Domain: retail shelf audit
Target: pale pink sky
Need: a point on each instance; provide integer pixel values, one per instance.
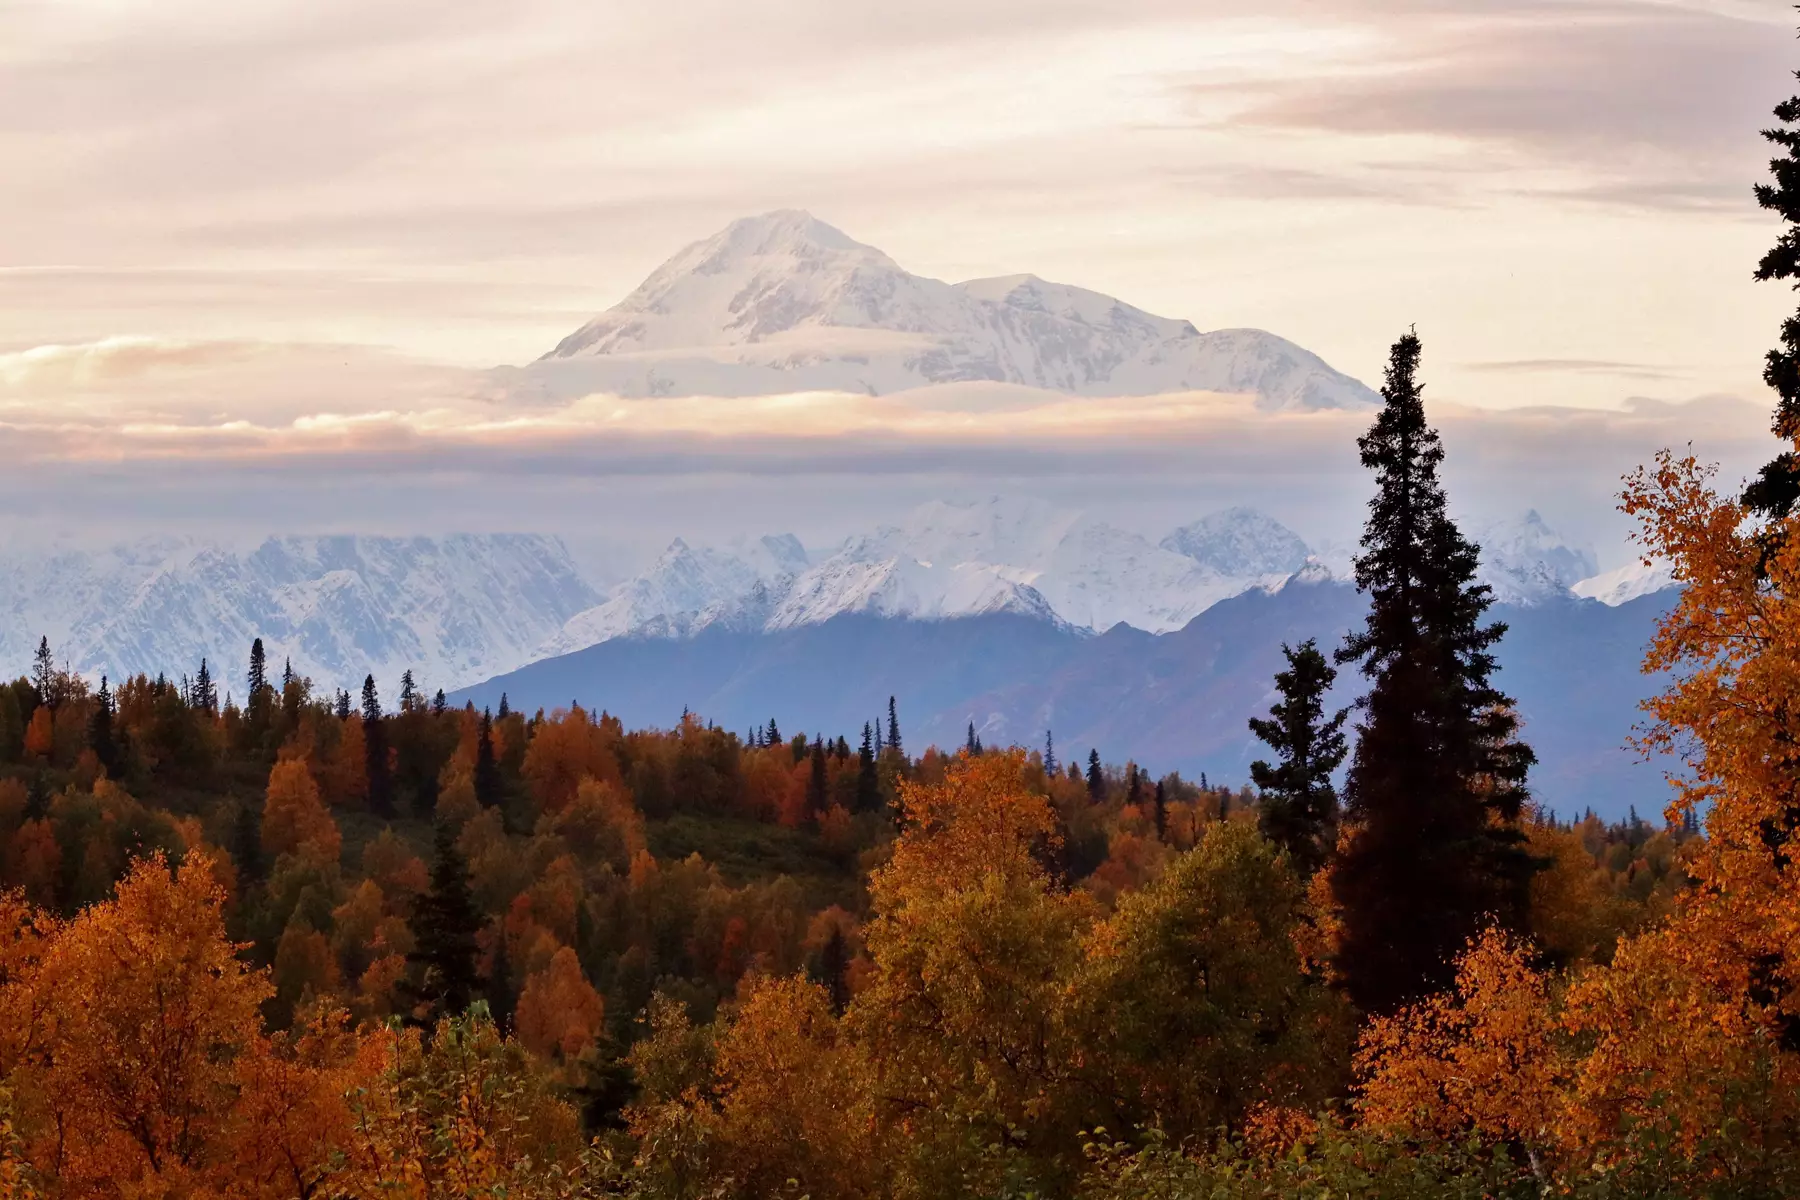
(281, 224)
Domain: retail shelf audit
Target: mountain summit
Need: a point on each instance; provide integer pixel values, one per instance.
(784, 302)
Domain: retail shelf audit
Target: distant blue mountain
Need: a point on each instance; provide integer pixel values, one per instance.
(1176, 701)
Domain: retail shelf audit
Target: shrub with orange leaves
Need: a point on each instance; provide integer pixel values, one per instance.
(1483, 1059)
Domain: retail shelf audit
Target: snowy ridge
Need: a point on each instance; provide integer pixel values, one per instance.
(453, 609)
(1627, 583)
(945, 561)
(784, 302)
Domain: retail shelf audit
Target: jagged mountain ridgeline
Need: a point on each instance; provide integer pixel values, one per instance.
(786, 303)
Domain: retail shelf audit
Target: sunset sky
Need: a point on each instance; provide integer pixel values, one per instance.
(248, 248)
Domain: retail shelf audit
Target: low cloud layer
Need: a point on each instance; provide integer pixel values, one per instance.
(137, 435)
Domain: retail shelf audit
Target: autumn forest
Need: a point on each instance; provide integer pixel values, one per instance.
(263, 940)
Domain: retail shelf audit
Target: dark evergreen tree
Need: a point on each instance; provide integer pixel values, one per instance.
(287, 674)
(500, 991)
(1096, 778)
(971, 745)
(203, 694)
(43, 674)
(246, 842)
(444, 923)
(439, 704)
(505, 709)
(868, 780)
(12, 725)
(1134, 785)
(1437, 779)
(893, 739)
(834, 970)
(1775, 490)
(1161, 810)
(37, 797)
(817, 796)
(409, 691)
(101, 739)
(488, 790)
(1298, 804)
(375, 747)
(259, 702)
(343, 705)
(1049, 754)
(257, 678)
(774, 735)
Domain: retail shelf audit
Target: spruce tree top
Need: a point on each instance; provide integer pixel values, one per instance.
(1775, 491)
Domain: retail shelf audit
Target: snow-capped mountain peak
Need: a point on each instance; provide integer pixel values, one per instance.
(1240, 541)
(784, 302)
(1527, 562)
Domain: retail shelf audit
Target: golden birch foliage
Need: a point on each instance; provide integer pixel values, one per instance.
(789, 1104)
(464, 1116)
(1573, 915)
(972, 951)
(147, 1006)
(559, 1012)
(1732, 640)
(1482, 1058)
(294, 820)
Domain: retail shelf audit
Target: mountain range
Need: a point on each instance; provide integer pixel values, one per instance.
(454, 609)
(1173, 701)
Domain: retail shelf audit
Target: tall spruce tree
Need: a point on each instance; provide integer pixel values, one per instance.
(817, 797)
(43, 674)
(246, 842)
(834, 970)
(488, 792)
(868, 780)
(444, 923)
(1049, 753)
(101, 738)
(893, 739)
(203, 693)
(259, 702)
(1096, 778)
(381, 776)
(1437, 779)
(1298, 804)
(1774, 492)
(1161, 811)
